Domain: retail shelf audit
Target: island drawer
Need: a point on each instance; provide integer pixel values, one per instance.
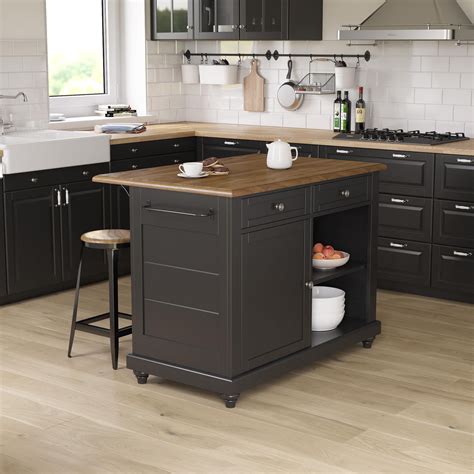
(405, 217)
(453, 268)
(341, 193)
(454, 223)
(155, 147)
(152, 161)
(274, 207)
(404, 261)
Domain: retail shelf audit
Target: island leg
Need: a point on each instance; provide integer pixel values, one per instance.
(368, 342)
(142, 377)
(230, 399)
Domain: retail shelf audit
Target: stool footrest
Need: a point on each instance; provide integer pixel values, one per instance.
(86, 325)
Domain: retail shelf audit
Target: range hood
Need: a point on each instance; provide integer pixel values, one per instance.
(413, 20)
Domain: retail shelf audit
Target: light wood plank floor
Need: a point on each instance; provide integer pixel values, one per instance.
(404, 406)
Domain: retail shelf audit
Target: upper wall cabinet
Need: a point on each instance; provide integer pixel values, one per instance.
(237, 19)
(172, 19)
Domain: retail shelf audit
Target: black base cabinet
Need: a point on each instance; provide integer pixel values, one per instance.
(3, 265)
(222, 299)
(426, 221)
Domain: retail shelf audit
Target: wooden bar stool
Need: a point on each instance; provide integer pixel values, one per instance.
(110, 240)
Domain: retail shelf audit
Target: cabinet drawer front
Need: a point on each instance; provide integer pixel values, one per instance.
(304, 150)
(152, 161)
(341, 193)
(405, 217)
(156, 147)
(404, 261)
(180, 211)
(455, 178)
(228, 147)
(453, 268)
(454, 223)
(274, 207)
(38, 179)
(406, 173)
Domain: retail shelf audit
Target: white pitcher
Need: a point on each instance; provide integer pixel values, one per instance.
(279, 155)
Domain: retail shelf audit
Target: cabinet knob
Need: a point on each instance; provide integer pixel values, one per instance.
(189, 27)
(85, 173)
(134, 167)
(345, 193)
(309, 284)
(279, 206)
(34, 180)
(134, 150)
(176, 145)
(176, 161)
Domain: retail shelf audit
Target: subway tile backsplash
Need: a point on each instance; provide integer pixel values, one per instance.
(412, 85)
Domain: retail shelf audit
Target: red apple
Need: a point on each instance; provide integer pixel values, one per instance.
(328, 251)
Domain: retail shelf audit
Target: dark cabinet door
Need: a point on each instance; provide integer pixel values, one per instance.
(305, 20)
(454, 223)
(216, 19)
(172, 19)
(33, 235)
(85, 208)
(404, 262)
(405, 217)
(3, 266)
(455, 178)
(453, 269)
(264, 19)
(276, 318)
(225, 148)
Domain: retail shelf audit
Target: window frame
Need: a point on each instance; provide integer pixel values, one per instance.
(76, 105)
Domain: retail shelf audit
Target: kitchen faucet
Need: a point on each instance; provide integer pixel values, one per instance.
(4, 126)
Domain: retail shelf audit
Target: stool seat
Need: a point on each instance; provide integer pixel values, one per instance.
(107, 237)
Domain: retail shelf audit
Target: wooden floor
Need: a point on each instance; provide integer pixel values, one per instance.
(404, 406)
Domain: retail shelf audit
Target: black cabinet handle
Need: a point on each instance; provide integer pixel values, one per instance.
(209, 213)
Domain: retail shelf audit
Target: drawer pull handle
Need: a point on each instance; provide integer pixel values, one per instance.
(134, 167)
(462, 254)
(400, 155)
(231, 143)
(398, 246)
(134, 150)
(279, 206)
(176, 162)
(34, 180)
(344, 152)
(209, 213)
(345, 193)
(399, 201)
(309, 284)
(85, 173)
(59, 200)
(67, 197)
(464, 160)
(462, 208)
(176, 145)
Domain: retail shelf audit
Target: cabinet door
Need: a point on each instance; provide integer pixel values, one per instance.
(455, 178)
(264, 19)
(3, 267)
(85, 208)
(216, 19)
(276, 318)
(172, 19)
(33, 236)
(305, 20)
(454, 223)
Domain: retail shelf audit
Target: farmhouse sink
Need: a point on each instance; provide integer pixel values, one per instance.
(48, 149)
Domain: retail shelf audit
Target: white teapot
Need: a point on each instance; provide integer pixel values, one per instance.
(279, 155)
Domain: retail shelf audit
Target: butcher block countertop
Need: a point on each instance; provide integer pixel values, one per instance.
(249, 175)
(292, 135)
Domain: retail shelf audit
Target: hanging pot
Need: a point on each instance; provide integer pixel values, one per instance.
(287, 96)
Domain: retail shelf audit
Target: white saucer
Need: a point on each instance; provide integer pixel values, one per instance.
(202, 175)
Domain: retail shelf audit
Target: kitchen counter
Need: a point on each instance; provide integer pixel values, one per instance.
(222, 272)
(249, 175)
(292, 135)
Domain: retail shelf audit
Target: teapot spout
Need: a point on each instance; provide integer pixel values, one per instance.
(269, 145)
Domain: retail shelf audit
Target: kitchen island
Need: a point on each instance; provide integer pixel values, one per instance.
(222, 274)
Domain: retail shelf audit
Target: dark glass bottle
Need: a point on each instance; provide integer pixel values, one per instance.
(360, 112)
(337, 113)
(346, 115)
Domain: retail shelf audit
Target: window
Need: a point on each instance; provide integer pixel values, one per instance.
(81, 57)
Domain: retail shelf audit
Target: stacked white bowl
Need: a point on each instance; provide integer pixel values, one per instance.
(328, 308)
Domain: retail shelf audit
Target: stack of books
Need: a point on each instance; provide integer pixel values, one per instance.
(116, 110)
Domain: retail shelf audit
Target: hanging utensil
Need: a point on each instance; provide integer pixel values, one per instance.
(254, 97)
(287, 95)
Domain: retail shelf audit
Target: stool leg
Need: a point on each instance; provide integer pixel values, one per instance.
(113, 304)
(76, 302)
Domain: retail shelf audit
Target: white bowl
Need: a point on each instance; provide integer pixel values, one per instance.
(327, 264)
(328, 293)
(326, 320)
(328, 306)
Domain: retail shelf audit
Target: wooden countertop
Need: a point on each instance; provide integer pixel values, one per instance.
(292, 135)
(249, 175)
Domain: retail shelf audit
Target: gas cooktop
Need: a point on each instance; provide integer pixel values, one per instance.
(399, 136)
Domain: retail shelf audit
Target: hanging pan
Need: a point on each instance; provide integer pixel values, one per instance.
(287, 95)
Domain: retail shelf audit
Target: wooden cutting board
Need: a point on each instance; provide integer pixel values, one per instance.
(254, 99)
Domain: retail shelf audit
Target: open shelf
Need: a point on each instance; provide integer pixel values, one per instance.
(321, 276)
(347, 326)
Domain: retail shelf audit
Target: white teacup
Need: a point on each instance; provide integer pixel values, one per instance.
(191, 169)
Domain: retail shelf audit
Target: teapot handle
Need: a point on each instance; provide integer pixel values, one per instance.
(296, 150)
